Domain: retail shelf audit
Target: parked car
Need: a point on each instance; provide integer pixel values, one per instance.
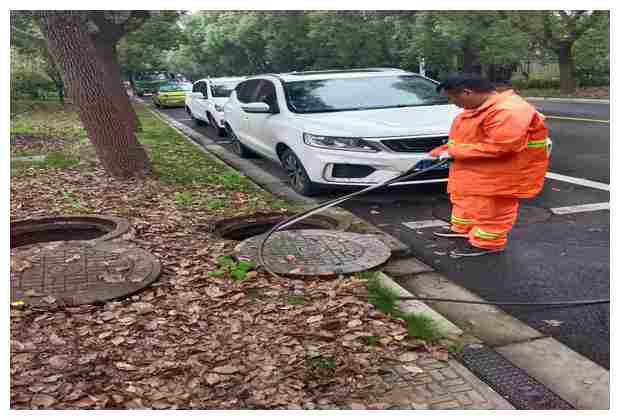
(206, 102)
(172, 94)
(341, 127)
(148, 82)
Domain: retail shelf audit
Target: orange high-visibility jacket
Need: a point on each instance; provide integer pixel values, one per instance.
(499, 149)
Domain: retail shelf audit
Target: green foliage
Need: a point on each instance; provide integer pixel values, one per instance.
(184, 199)
(72, 200)
(296, 300)
(236, 269)
(592, 54)
(386, 300)
(60, 160)
(537, 84)
(320, 366)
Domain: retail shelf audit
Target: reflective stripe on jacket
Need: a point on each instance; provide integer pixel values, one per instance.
(499, 149)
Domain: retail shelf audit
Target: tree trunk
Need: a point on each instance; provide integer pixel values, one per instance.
(117, 148)
(106, 52)
(568, 83)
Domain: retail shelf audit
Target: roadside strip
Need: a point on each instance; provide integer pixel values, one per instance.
(554, 117)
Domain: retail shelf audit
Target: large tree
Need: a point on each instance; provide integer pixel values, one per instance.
(71, 45)
(557, 31)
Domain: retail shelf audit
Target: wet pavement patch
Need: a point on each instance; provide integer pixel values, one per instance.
(312, 252)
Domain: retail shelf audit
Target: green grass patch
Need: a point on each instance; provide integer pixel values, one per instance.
(46, 119)
(295, 300)
(215, 203)
(386, 300)
(60, 160)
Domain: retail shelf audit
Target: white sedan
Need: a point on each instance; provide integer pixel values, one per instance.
(350, 127)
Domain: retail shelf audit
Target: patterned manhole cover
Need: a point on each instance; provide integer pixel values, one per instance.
(77, 272)
(317, 252)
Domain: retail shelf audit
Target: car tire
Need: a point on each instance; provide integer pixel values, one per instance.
(239, 148)
(298, 177)
(219, 130)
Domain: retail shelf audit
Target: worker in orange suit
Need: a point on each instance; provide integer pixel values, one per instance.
(500, 150)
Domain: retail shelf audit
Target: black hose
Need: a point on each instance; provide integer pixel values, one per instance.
(409, 174)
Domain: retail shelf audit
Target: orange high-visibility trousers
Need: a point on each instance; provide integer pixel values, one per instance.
(486, 219)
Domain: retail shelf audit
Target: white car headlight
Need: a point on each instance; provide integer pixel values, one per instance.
(340, 143)
(219, 108)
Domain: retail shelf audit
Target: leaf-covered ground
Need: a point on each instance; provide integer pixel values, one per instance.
(193, 339)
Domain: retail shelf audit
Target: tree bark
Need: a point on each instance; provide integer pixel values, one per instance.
(568, 83)
(117, 148)
(106, 52)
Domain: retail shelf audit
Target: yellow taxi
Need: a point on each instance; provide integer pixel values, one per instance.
(171, 94)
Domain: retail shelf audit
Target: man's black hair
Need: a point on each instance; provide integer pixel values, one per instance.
(467, 81)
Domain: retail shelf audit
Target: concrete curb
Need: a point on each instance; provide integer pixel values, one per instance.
(570, 100)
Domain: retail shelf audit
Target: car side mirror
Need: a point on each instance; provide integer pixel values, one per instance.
(257, 108)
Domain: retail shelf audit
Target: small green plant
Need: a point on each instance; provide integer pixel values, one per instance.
(456, 348)
(296, 300)
(237, 269)
(72, 200)
(421, 326)
(373, 340)
(279, 204)
(320, 366)
(215, 203)
(184, 199)
(386, 300)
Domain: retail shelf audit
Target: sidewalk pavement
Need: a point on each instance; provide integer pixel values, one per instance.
(424, 382)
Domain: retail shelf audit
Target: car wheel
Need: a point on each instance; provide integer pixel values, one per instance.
(300, 181)
(238, 147)
(219, 130)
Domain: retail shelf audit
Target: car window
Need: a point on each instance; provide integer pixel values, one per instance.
(197, 87)
(222, 89)
(246, 91)
(181, 87)
(267, 93)
(332, 95)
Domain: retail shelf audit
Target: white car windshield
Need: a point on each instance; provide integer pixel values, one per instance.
(333, 95)
(223, 89)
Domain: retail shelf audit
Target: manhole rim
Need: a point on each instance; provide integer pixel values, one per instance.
(24, 226)
(327, 221)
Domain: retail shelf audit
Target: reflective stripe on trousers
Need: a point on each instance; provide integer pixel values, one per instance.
(487, 220)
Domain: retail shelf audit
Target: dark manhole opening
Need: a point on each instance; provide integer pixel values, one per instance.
(244, 227)
(66, 228)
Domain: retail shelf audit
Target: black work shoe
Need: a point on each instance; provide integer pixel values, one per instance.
(446, 232)
(472, 251)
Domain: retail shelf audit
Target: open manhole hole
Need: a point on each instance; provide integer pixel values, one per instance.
(244, 227)
(66, 228)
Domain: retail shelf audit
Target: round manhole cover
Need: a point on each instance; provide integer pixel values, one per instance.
(76, 272)
(317, 252)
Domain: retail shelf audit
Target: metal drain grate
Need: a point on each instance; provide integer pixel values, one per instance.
(521, 390)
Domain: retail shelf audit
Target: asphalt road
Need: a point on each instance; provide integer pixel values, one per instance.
(550, 257)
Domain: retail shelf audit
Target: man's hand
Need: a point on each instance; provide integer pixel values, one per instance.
(444, 155)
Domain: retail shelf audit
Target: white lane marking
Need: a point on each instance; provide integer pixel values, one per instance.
(184, 119)
(557, 117)
(580, 208)
(425, 224)
(578, 181)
